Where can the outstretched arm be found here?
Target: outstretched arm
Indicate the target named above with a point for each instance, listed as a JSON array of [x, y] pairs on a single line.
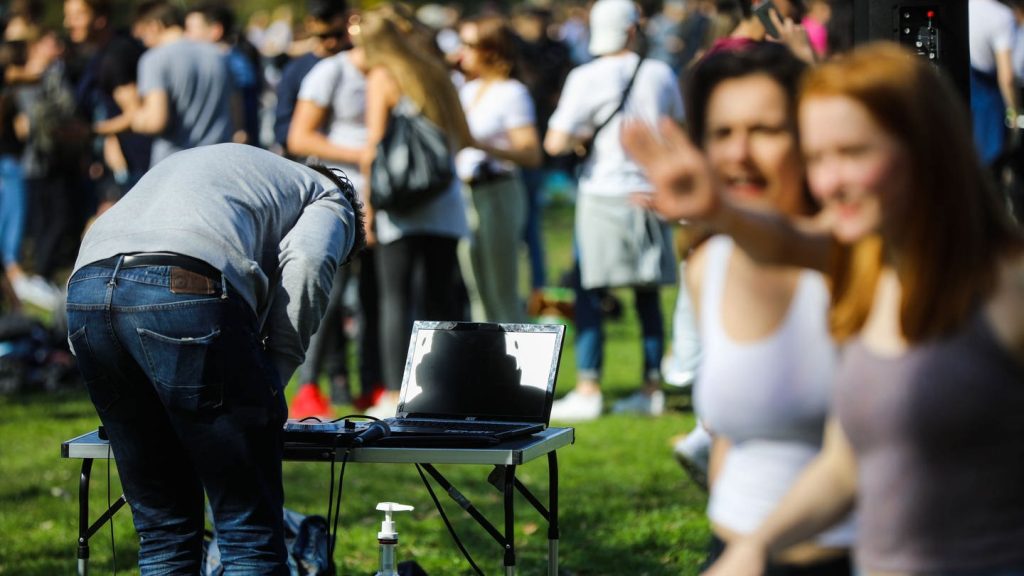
[[685, 189]]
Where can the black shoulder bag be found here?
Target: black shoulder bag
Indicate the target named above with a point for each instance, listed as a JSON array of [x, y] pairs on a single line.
[[413, 163]]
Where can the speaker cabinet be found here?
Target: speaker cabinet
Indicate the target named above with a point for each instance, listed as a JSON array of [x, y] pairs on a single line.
[[935, 30]]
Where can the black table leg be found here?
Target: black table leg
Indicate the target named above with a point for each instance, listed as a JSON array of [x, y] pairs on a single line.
[[552, 514], [86, 530], [83, 517], [510, 520]]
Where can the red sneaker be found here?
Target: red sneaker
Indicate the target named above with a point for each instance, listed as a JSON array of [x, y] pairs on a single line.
[[309, 401], [371, 398]]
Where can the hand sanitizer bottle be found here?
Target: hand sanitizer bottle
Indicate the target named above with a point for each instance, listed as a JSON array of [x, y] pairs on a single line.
[[388, 538]]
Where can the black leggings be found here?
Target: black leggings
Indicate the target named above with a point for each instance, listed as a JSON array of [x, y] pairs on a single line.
[[416, 278], [838, 566]]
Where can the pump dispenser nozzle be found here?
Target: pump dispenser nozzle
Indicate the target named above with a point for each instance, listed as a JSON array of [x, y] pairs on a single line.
[[387, 527]]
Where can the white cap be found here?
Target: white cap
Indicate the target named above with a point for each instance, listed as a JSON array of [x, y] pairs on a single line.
[[610, 22]]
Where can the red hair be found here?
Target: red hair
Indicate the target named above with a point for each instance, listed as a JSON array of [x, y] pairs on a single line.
[[948, 250]]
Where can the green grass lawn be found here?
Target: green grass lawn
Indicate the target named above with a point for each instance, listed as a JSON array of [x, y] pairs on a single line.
[[625, 505]]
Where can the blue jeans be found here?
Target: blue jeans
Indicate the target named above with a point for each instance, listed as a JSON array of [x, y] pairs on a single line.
[[590, 331], [533, 181], [190, 402], [12, 209]]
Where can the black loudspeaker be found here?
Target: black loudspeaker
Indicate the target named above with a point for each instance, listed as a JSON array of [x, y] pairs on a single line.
[[936, 30]]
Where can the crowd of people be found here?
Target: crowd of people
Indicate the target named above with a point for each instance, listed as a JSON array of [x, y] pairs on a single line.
[[851, 304], [88, 111]]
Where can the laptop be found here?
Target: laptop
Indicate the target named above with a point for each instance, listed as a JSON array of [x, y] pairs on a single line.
[[478, 379]]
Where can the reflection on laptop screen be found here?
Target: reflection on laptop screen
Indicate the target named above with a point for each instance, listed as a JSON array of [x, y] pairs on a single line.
[[483, 374]]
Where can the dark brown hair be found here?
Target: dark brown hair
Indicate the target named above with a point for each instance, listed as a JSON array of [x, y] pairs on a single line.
[[496, 43]]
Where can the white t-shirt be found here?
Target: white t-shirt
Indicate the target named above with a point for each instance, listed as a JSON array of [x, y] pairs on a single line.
[[991, 30], [502, 106], [338, 86], [591, 93]]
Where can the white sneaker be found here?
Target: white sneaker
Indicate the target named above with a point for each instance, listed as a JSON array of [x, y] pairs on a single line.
[[692, 452], [642, 403], [37, 291], [384, 408], [576, 407], [674, 374]]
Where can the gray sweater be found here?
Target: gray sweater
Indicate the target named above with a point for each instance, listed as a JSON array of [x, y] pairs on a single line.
[[275, 228]]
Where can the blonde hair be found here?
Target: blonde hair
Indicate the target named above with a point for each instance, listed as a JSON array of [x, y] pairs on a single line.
[[420, 75], [947, 252]]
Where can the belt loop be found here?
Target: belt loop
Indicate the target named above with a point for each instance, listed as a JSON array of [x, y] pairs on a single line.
[[223, 287], [117, 267]]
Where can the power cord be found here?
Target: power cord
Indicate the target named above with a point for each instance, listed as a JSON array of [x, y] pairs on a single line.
[[447, 523], [333, 527], [334, 506]]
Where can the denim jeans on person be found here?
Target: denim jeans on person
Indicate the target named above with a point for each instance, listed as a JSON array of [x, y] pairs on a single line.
[[590, 332], [533, 182], [12, 208], [589, 319], [190, 402]]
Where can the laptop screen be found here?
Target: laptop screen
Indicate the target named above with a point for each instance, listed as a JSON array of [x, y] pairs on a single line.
[[476, 371]]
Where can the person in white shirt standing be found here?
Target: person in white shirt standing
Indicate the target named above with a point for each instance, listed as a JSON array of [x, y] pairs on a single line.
[[501, 120], [619, 243]]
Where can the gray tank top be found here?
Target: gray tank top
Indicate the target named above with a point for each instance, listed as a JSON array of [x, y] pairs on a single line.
[[939, 438]]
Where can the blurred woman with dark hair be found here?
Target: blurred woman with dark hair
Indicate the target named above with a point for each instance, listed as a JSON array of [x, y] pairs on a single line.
[[764, 385], [501, 119]]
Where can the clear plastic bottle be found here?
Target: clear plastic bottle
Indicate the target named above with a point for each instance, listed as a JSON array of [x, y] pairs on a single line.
[[388, 538]]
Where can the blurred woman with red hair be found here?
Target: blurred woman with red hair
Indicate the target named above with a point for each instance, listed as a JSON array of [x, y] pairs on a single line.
[[927, 277]]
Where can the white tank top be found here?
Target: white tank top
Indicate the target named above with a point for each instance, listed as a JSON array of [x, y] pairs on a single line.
[[770, 397]]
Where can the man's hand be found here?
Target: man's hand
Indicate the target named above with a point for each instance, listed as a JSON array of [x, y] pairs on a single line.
[[684, 186]]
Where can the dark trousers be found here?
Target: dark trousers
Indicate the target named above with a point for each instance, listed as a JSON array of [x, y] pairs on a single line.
[[399, 265], [370, 371], [50, 222], [327, 349]]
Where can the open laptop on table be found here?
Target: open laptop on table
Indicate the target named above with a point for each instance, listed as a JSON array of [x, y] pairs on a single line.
[[464, 378]]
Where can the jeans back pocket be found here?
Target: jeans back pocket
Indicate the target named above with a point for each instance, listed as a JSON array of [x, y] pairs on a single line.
[[187, 371]]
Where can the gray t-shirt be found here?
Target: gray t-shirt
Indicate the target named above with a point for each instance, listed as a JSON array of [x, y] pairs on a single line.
[[197, 81], [939, 437], [276, 229], [336, 85]]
